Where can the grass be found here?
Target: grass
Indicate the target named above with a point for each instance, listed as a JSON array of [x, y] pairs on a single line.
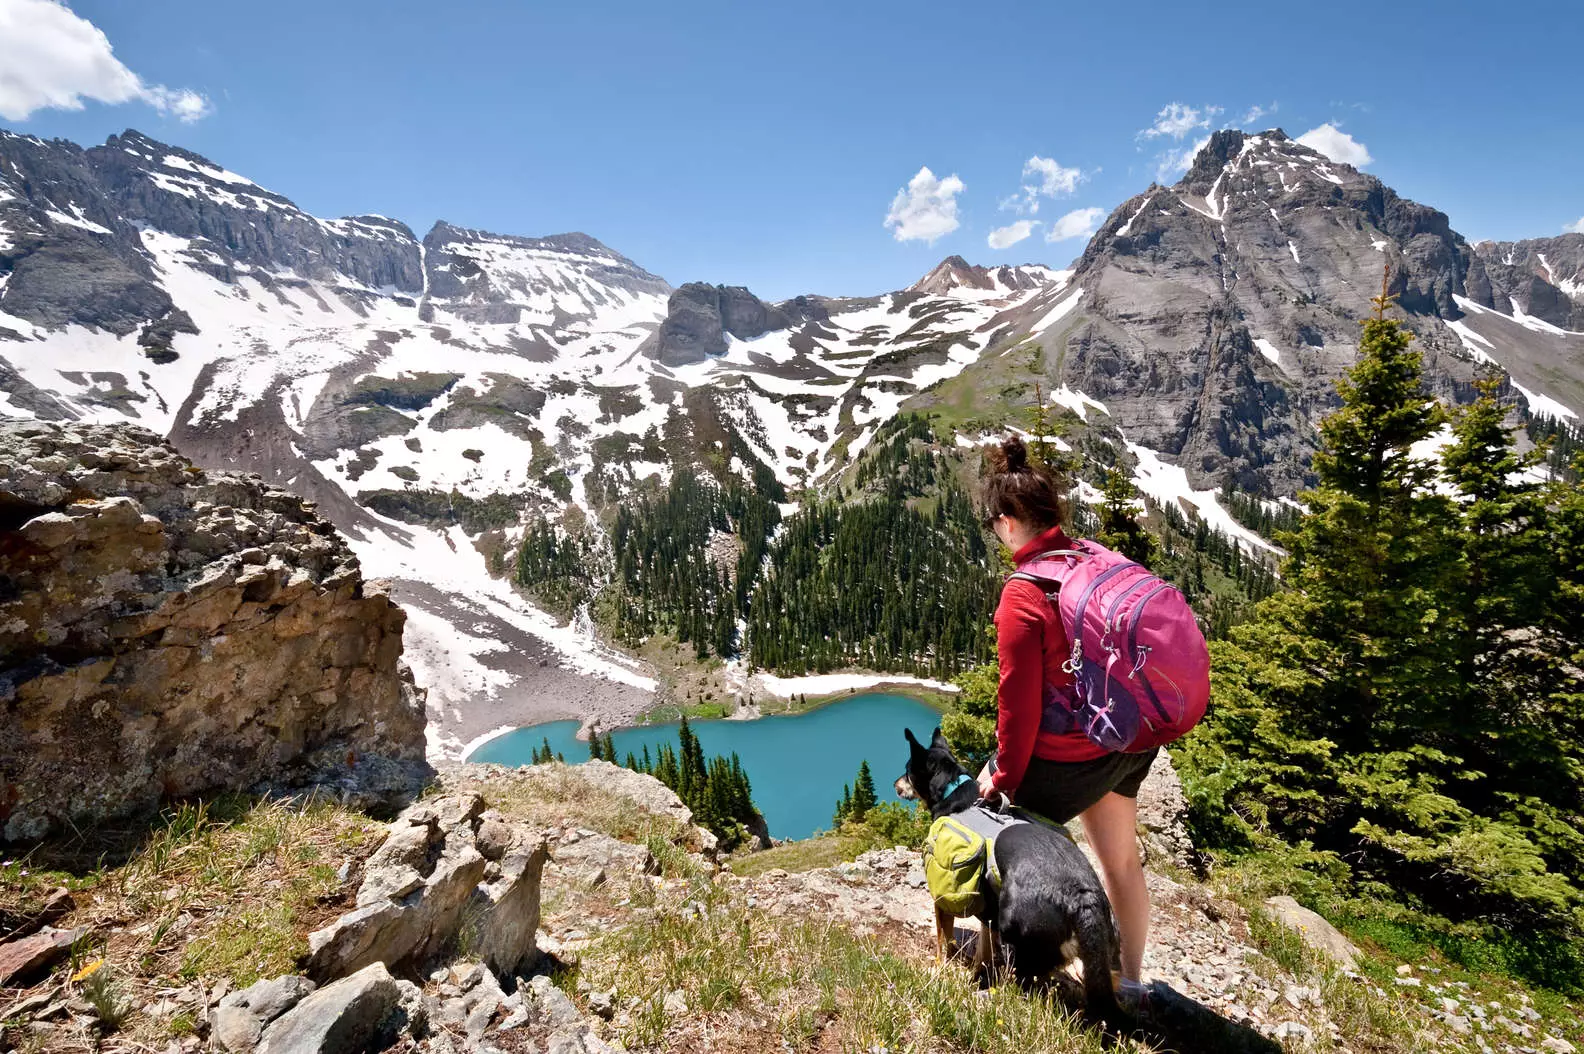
[[228, 888], [556, 793], [1373, 1012], [824, 850], [705, 972]]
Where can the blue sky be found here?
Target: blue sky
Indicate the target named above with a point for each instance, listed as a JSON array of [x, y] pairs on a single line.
[[765, 145]]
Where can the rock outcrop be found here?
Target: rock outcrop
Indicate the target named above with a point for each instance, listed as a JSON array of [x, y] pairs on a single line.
[[168, 632], [449, 873], [1543, 277], [699, 316]]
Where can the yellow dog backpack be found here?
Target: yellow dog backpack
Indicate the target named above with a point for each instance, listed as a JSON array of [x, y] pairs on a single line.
[[956, 859], [959, 855]]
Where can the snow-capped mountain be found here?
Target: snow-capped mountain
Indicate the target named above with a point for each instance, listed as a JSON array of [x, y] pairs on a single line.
[[1212, 318], [362, 367], [389, 377]]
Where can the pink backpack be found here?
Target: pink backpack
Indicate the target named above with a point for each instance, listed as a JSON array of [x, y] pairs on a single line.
[[1139, 660]]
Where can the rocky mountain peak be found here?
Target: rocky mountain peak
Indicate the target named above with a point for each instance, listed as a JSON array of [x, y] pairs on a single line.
[[955, 276], [482, 277]]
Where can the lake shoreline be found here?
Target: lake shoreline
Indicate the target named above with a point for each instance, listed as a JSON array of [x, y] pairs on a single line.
[[936, 699], [937, 695], [798, 763]]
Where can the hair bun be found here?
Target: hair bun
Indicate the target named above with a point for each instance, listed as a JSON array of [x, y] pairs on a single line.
[[1014, 453]]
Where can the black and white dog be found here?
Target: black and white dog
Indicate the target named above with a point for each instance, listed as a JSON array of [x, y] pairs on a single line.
[[1050, 907]]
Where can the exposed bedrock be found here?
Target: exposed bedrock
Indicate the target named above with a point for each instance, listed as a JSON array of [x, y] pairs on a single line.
[[168, 632]]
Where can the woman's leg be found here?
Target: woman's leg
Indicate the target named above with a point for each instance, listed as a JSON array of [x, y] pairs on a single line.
[[1111, 825]]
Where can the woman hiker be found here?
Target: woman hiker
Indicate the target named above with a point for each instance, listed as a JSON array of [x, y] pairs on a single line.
[[1067, 775]]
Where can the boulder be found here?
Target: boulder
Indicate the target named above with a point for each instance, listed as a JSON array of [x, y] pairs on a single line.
[[27, 957], [1163, 815], [168, 632], [1315, 930], [505, 911], [352, 1015]]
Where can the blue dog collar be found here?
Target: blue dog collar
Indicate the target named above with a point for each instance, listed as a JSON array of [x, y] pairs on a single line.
[[951, 788]]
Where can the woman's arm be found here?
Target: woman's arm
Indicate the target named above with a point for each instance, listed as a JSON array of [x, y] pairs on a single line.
[[1020, 645]]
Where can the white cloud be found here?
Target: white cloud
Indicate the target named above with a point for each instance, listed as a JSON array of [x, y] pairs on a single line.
[[1176, 120], [1048, 177], [1336, 144], [1173, 163], [925, 209], [1575, 228], [1079, 223], [1256, 113], [184, 104], [1011, 234], [1043, 177], [52, 59]]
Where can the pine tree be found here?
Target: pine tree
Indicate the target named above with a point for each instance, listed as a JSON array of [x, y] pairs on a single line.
[[1336, 710], [863, 795], [843, 808], [596, 748], [1119, 526]]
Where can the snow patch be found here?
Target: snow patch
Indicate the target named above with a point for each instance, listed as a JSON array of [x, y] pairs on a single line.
[[1543, 405], [1077, 402], [1057, 313], [1168, 483], [1267, 349]]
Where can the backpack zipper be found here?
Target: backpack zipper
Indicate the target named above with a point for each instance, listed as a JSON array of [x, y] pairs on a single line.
[[1143, 678], [1116, 601]]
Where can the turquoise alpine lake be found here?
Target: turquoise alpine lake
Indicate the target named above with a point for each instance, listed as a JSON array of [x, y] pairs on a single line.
[[797, 763]]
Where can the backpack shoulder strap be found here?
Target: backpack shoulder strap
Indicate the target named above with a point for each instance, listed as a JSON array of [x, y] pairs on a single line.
[[1045, 582]]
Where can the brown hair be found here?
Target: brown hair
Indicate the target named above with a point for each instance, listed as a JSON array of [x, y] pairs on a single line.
[[1029, 493]]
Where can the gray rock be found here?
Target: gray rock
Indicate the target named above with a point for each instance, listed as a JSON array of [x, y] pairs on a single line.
[[580, 1041], [1314, 929], [1294, 1030], [352, 1015], [234, 1028], [504, 914], [267, 1000], [554, 1006], [602, 1004], [393, 932], [1163, 815]]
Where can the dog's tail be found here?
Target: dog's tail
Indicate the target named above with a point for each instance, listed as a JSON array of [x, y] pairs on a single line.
[[1100, 949]]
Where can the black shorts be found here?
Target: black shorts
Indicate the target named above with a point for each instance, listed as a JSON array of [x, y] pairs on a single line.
[[1060, 790]]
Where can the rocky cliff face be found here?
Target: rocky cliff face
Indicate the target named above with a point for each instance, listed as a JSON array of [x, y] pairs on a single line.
[[699, 316], [166, 632], [1542, 277]]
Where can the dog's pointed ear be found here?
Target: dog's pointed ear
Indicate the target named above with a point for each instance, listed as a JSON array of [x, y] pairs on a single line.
[[938, 740], [909, 733]]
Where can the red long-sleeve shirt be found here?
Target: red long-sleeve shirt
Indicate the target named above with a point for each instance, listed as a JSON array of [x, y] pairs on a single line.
[[1031, 646]]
